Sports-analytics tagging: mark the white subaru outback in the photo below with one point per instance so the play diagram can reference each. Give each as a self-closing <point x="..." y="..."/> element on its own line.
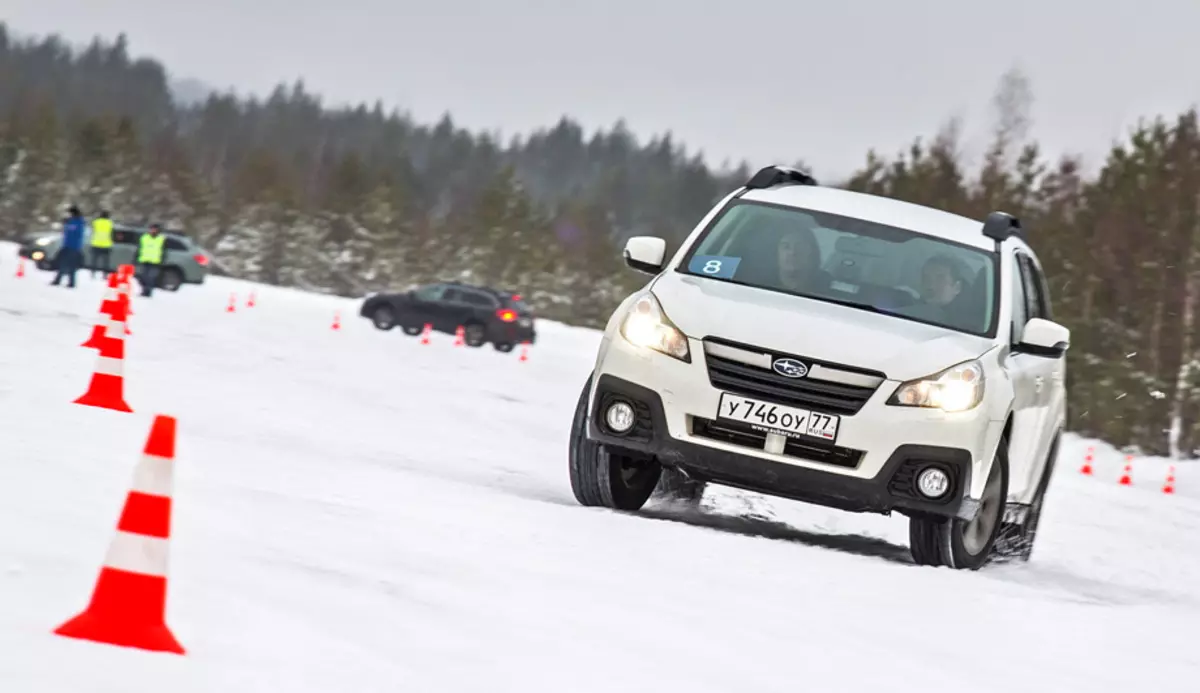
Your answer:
<point x="841" y="349"/>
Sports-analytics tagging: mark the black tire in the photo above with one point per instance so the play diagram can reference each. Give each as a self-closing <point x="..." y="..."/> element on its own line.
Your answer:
<point x="503" y="347"/>
<point x="474" y="334"/>
<point x="1016" y="539"/>
<point x="674" y="486"/>
<point x="412" y="330"/>
<point x="961" y="544"/>
<point x="170" y="279"/>
<point x="601" y="478"/>
<point x="383" y="317"/>
<point x="581" y="457"/>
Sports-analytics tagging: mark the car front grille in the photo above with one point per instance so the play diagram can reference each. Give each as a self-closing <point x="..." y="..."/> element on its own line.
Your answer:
<point x="828" y="387"/>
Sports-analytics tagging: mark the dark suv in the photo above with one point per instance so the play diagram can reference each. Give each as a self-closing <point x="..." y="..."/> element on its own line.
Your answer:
<point x="486" y="315"/>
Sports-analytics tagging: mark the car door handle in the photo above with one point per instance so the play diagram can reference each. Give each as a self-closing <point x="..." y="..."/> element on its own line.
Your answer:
<point x="1037" y="383"/>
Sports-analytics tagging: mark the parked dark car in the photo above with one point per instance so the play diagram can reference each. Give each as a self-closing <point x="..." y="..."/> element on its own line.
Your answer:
<point x="485" y="314"/>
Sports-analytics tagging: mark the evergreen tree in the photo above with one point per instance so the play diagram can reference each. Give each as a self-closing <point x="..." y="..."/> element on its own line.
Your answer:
<point x="353" y="199"/>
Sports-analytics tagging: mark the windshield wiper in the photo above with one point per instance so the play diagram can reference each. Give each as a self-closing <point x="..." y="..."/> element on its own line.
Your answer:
<point x="853" y="304"/>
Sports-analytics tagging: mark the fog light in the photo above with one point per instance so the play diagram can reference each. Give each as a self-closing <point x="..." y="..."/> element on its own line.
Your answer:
<point x="619" y="417"/>
<point x="933" y="483"/>
<point x="37" y="255"/>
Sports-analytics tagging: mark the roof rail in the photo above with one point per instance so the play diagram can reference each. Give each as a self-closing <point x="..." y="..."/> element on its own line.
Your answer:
<point x="771" y="176"/>
<point x="1000" y="226"/>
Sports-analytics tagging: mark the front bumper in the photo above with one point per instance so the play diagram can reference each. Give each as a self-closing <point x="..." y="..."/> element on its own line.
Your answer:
<point x="873" y="466"/>
<point x="27" y="251"/>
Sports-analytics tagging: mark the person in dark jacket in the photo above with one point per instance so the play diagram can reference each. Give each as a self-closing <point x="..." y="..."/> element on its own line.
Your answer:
<point x="70" y="255"/>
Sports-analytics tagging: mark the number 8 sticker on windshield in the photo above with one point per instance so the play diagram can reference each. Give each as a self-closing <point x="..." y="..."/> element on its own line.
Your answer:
<point x="714" y="266"/>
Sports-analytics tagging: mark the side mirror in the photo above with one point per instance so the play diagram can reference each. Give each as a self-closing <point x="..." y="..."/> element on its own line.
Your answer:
<point x="645" y="253"/>
<point x="1045" y="338"/>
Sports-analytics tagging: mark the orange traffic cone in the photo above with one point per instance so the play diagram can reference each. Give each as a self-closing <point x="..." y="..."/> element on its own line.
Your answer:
<point x="1087" y="463"/>
<point x="250" y="300"/>
<point x="425" y="333"/>
<point x="128" y="603"/>
<point x="108" y="308"/>
<point x="232" y="307"/>
<point x="125" y="283"/>
<point x="1169" y="487"/>
<point x="107" y="388"/>
<point x="20" y="267"/>
<point x="524" y="352"/>
<point x="337" y="321"/>
<point x="458" y="336"/>
<point x="1127" y="474"/>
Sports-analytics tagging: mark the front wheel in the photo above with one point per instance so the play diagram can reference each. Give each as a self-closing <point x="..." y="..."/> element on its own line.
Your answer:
<point x="170" y="279"/>
<point x="604" y="478"/>
<point x="964" y="544"/>
<point x="384" y="318"/>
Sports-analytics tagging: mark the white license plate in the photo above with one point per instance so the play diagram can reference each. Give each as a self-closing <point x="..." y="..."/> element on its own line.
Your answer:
<point x="776" y="418"/>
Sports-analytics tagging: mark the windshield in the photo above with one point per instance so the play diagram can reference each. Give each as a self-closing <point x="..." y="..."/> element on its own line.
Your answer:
<point x="850" y="261"/>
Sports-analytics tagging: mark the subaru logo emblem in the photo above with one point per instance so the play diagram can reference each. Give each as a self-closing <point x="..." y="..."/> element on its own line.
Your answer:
<point x="789" y="368"/>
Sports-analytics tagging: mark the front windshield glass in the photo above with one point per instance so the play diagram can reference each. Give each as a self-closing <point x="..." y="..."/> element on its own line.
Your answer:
<point x="846" y="260"/>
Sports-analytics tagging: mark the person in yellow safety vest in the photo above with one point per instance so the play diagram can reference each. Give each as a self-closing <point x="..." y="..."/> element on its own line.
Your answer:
<point x="102" y="243"/>
<point x="149" y="259"/>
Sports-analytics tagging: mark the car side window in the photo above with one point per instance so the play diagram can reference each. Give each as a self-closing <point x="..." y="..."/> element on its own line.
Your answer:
<point x="430" y="293"/>
<point x="1035" y="303"/>
<point x="126" y="237"/>
<point x="1039" y="291"/>
<point x="174" y="244"/>
<point x="1020" y="303"/>
<point x="452" y="296"/>
<point x="481" y="300"/>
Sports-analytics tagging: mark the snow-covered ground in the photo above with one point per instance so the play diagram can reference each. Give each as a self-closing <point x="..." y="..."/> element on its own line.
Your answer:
<point x="357" y="512"/>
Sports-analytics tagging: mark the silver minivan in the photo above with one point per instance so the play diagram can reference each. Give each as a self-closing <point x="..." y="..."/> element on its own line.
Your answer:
<point x="184" y="262"/>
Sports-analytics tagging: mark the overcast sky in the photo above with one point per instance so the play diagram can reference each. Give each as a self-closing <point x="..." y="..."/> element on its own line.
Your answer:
<point x="765" y="81"/>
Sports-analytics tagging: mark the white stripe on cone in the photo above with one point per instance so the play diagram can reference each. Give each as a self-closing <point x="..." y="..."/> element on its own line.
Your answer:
<point x="138" y="553"/>
<point x="153" y="476"/>
<point x="110" y="366"/>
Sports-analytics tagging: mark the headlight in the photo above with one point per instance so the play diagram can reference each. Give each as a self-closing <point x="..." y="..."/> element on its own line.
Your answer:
<point x="958" y="388"/>
<point x="647" y="326"/>
<point x="43" y="242"/>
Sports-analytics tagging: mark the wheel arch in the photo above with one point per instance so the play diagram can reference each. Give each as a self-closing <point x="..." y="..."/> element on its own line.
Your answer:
<point x="372" y="304"/>
<point x="164" y="269"/>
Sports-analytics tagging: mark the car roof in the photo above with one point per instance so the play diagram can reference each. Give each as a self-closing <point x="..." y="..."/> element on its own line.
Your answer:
<point x="476" y="287"/>
<point x="143" y="229"/>
<point x="881" y="210"/>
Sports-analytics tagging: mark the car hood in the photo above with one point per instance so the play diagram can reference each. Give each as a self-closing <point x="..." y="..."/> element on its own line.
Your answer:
<point x="901" y="349"/>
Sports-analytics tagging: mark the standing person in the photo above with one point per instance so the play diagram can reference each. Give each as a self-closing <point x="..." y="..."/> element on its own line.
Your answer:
<point x="102" y="242"/>
<point x="70" y="255"/>
<point x="150" y="257"/>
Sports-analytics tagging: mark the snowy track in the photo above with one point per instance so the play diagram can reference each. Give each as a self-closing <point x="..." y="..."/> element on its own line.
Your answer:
<point x="358" y="512"/>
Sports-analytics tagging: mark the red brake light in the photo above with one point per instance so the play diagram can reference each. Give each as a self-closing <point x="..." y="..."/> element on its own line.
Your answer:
<point x="516" y="297"/>
<point x="201" y="259"/>
<point x="506" y="314"/>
